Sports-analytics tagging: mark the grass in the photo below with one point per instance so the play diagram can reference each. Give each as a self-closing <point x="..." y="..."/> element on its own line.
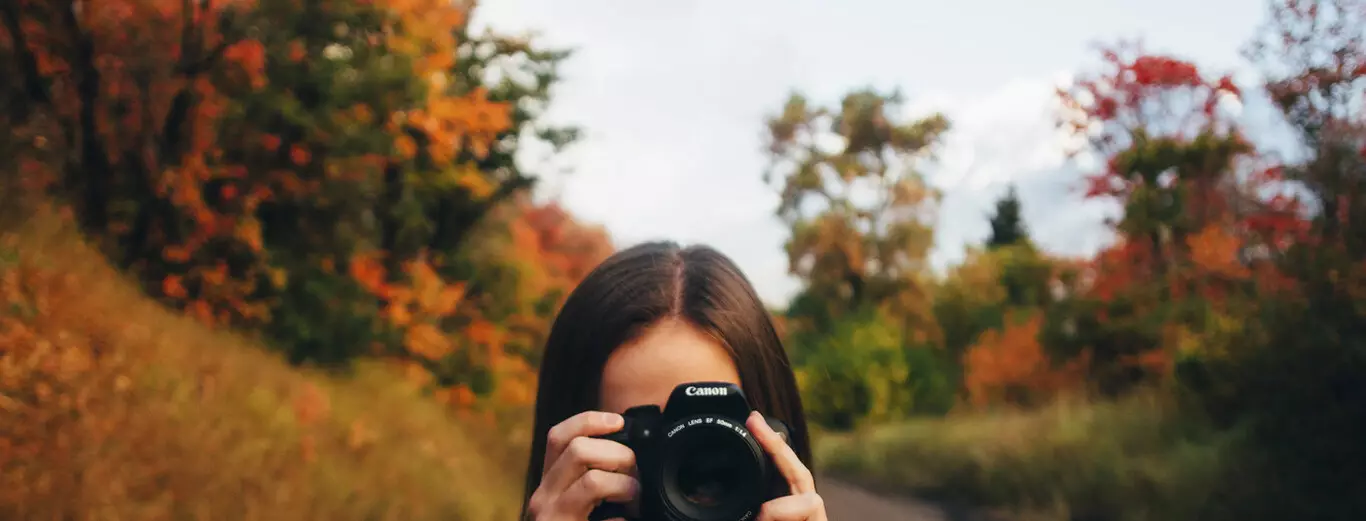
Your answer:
<point x="1127" y="460"/>
<point x="114" y="407"/>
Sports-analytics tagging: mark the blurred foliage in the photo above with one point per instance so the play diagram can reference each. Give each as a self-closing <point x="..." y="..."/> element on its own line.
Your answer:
<point x="860" y="215"/>
<point x="1233" y="297"/>
<point x="112" y="405"/>
<point x="338" y="177"/>
<point x="861" y="221"/>
<point x="340" y="180"/>
<point x="1129" y="460"/>
<point x="335" y="179"/>
<point x="862" y="370"/>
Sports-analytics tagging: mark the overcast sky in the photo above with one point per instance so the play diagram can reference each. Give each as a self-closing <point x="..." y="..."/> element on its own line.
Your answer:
<point x="672" y="95"/>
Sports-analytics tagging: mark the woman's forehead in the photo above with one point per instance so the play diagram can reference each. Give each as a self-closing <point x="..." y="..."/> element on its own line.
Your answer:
<point x="645" y="371"/>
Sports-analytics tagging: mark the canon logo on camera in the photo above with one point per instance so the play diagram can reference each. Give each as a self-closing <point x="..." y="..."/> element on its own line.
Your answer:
<point x="705" y="391"/>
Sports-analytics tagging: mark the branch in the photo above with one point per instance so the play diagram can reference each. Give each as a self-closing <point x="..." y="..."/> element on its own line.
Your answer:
<point x="210" y="59"/>
<point x="192" y="64"/>
<point x="187" y="41"/>
<point x="87" y="83"/>
<point x="507" y="189"/>
<point x="170" y="128"/>
<point x="95" y="162"/>
<point x="28" y="63"/>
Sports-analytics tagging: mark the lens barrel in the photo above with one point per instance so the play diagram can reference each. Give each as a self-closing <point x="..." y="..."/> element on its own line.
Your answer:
<point x="710" y="469"/>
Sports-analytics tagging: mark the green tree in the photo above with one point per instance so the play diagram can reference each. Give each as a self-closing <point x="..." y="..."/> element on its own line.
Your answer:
<point x="1296" y="384"/>
<point x="245" y="160"/>
<point x="860" y="370"/>
<point x="1007" y="226"/>
<point x="862" y="223"/>
<point x="860" y="215"/>
<point x="977" y="295"/>
<point x="1171" y="158"/>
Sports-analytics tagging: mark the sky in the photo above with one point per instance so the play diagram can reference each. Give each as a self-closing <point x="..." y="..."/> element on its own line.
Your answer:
<point x="672" y="96"/>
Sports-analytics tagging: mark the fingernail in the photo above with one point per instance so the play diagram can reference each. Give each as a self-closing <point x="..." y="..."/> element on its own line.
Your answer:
<point x="612" y="419"/>
<point x="755" y="414"/>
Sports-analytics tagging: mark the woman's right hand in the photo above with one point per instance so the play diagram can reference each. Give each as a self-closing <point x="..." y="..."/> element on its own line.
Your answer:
<point x="580" y="471"/>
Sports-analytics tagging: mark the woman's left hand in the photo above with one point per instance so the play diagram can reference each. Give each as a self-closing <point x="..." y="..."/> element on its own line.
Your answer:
<point x="804" y="504"/>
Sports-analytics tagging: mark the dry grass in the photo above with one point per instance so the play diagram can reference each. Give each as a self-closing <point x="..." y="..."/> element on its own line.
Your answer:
<point x="1128" y="460"/>
<point x="113" y="407"/>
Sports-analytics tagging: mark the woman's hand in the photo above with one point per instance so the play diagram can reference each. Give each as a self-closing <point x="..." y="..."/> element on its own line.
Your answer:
<point x="580" y="471"/>
<point x="804" y="504"/>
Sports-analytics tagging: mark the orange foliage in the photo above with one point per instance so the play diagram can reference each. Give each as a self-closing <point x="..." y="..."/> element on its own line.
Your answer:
<point x="369" y="273"/>
<point x="425" y="340"/>
<point x="417" y="306"/>
<point x="1215" y="251"/>
<point x="214" y="168"/>
<point x="450" y="122"/>
<point x="517" y="387"/>
<point x="1119" y="267"/>
<point x="458" y="396"/>
<point x="552" y="252"/>
<point x="168" y="75"/>
<point x="310" y="405"/>
<point x="1010" y="366"/>
<point x="483" y="332"/>
<point x="550" y="236"/>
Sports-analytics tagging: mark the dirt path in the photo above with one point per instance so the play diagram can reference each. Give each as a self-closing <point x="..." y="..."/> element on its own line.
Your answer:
<point x="847" y="502"/>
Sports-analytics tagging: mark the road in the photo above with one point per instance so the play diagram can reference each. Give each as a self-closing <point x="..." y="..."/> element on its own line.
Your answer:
<point x="847" y="502"/>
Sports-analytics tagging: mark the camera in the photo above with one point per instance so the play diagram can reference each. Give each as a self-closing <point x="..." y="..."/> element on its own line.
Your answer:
<point x="696" y="460"/>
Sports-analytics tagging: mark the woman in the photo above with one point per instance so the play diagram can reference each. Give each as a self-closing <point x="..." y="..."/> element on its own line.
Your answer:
<point x="645" y="320"/>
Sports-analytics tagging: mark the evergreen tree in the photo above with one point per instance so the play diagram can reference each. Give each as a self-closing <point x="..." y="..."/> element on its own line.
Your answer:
<point x="1006" y="226"/>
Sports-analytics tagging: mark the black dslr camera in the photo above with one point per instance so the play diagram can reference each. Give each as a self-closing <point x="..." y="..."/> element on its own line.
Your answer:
<point x="695" y="459"/>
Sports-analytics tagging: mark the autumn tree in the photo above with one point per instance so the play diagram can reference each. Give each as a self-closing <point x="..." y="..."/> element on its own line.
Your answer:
<point x="523" y="262"/>
<point x="861" y="220"/>
<point x="1313" y="54"/>
<point x="1295" y="381"/>
<point x="1187" y="181"/>
<point x="969" y="300"/>
<point x="860" y="214"/>
<point x="1009" y="366"/>
<point x="306" y="169"/>
<point x="978" y="295"/>
<point x="861" y="372"/>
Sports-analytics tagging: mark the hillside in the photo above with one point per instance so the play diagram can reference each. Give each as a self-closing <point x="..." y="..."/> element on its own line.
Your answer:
<point x="118" y="408"/>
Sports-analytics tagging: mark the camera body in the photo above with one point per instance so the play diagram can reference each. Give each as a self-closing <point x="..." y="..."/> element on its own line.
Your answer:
<point x="696" y="460"/>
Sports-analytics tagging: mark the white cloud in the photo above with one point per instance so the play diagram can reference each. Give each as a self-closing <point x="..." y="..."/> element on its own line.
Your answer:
<point x="698" y="181"/>
<point x="998" y="135"/>
<point x="673" y="96"/>
<point x="663" y="164"/>
<point x="1008" y="135"/>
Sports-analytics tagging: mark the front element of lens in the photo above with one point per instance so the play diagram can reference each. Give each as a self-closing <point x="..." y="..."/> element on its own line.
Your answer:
<point x="711" y="471"/>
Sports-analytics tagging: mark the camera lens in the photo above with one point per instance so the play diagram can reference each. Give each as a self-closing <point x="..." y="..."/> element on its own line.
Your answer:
<point x="704" y="478"/>
<point x="711" y="472"/>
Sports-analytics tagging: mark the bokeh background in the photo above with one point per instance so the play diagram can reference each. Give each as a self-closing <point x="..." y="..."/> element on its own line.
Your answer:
<point x="1066" y="260"/>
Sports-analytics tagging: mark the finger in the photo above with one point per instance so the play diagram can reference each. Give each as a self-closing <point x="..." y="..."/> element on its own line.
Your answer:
<point x="791" y="466"/>
<point x="596" y="486"/>
<point x="587" y="423"/>
<point x="585" y="453"/>
<point x="801" y="507"/>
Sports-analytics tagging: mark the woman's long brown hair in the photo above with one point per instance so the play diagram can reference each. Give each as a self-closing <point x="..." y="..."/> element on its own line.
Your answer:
<point x="636" y="288"/>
